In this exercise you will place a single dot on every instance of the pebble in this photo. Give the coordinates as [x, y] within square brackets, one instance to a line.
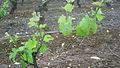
[95, 57]
[112, 8]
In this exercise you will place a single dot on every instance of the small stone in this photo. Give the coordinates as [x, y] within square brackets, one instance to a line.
[56, 36]
[73, 36]
[108, 31]
[52, 59]
[69, 64]
[38, 59]
[15, 45]
[26, 32]
[27, 35]
[73, 18]
[16, 17]
[48, 63]
[66, 62]
[9, 65]
[63, 44]
[112, 8]
[87, 49]
[73, 46]
[17, 33]
[88, 12]
[16, 63]
[22, 42]
[95, 57]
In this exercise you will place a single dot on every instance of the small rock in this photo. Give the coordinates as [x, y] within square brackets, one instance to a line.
[16, 63]
[112, 8]
[16, 17]
[95, 57]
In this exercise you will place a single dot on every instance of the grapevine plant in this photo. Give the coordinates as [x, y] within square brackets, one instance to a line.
[28, 50]
[3, 8]
[86, 25]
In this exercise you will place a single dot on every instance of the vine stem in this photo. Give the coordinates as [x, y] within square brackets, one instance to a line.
[34, 54]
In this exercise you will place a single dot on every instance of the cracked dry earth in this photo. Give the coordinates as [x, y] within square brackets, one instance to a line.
[101, 50]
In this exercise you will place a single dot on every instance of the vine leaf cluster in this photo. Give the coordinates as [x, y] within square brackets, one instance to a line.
[86, 25]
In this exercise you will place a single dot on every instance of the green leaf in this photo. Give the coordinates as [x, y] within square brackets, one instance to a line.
[23, 64]
[47, 38]
[37, 34]
[69, 7]
[22, 48]
[62, 19]
[93, 25]
[31, 24]
[68, 29]
[2, 12]
[65, 25]
[42, 25]
[6, 4]
[97, 3]
[35, 19]
[13, 54]
[83, 28]
[69, 20]
[42, 34]
[36, 15]
[93, 12]
[30, 44]
[68, 26]
[100, 17]
[99, 11]
[28, 55]
[86, 25]
[43, 48]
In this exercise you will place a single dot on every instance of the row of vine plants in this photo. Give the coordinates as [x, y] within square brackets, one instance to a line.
[28, 50]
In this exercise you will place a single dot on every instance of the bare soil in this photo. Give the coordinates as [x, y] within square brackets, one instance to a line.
[66, 51]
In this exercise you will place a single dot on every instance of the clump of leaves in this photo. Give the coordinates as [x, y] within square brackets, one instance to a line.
[65, 22]
[86, 25]
[35, 44]
[3, 8]
[2, 12]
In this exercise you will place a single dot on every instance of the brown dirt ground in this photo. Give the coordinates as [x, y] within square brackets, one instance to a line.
[67, 51]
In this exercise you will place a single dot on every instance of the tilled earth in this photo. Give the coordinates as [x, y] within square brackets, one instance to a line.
[101, 50]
